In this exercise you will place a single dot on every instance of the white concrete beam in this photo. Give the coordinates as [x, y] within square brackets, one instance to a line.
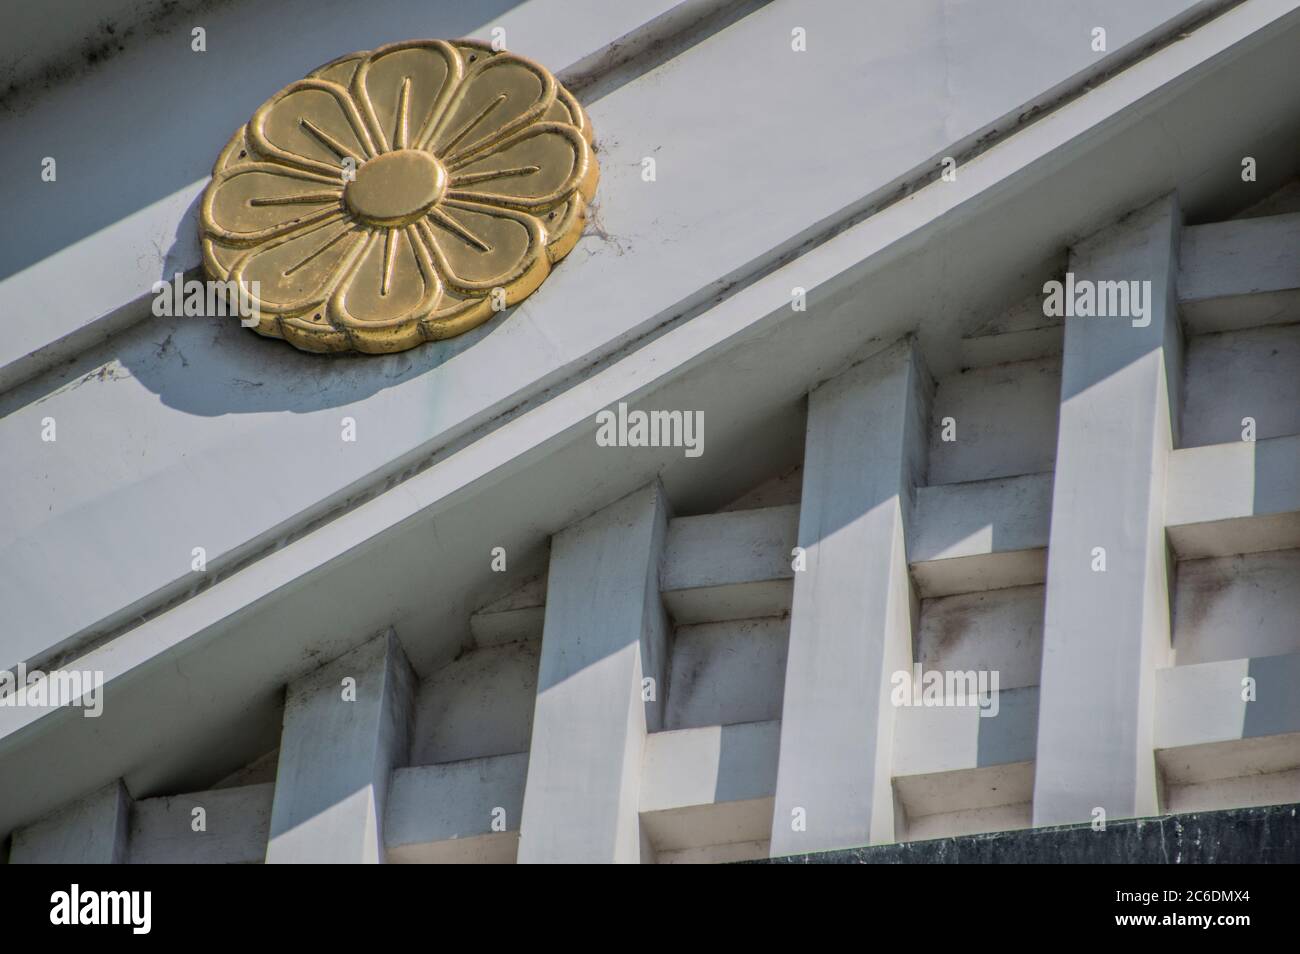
[605, 631]
[982, 535]
[90, 831]
[346, 727]
[1240, 274]
[709, 786]
[457, 813]
[1106, 625]
[231, 829]
[731, 565]
[1243, 497]
[853, 614]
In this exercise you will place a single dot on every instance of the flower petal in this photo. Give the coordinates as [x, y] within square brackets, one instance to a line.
[313, 125]
[566, 109]
[478, 248]
[340, 70]
[402, 89]
[501, 92]
[310, 332]
[299, 270]
[564, 225]
[392, 285]
[256, 201]
[456, 315]
[535, 168]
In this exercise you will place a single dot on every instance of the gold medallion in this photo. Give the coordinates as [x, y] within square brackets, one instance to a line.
[399, 196]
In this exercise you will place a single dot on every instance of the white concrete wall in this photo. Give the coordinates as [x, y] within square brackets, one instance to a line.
[726, 673]
[706, 793]
[479, 705]
[232, 828]
[1239, 606]
[109, 524]
[457, 813]
[1236, 374]
[998, 630]
[1272, 788]
[473, 717]
[1006, 421]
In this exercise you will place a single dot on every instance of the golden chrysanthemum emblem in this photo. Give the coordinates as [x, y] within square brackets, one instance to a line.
[400, 195]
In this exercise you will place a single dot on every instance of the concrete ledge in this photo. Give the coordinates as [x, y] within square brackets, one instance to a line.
[709, 786]
[733, 565]
[1203, 703]
[237, 820]
[1240, 274]
[954, 738]
[1242, 497]
[982, 535]
[1022, 334]
[1239, 836]
[515, 617]
[716, 567]
[444, 813]
[1205, 730]
[951, 759]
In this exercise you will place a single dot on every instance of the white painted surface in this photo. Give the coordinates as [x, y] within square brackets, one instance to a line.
[981, 535]
[180, 627]
[1253, 373]
[1238, 606]
[972, 822]
[236, 823]
[197, 401]
[1273, 788]
[708, 764]
[852, 618]
[339, 747]
[726, 673]
[1240, 273]
[515, 617]
[1104, 633]
[998, 630]
[709, 786]
[605, 631]
[1005, 422]
[730, 565]
[1210, 702]
[92, 830]
[479, 705]
[1235, 479]
[930, 740]
[957, 793]
[458, 813]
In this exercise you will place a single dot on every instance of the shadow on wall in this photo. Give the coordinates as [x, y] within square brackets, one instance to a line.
[1276, 707]
[211, 366]
[94, 127]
